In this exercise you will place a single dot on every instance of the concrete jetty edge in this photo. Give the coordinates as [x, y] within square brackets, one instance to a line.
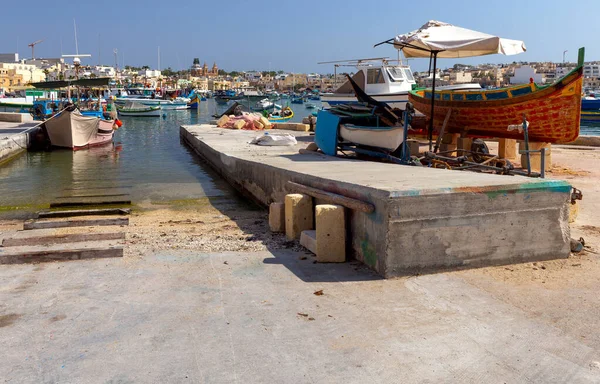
[425, 219]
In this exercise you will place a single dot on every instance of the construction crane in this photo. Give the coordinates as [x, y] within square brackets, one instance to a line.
[32, 45]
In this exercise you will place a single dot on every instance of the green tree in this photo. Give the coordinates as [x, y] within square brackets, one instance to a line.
[234, 73]
[222, 72]
[145, 67]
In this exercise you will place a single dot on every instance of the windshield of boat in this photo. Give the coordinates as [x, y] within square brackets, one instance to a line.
[396, 73]
[374, 76]
[400, 74]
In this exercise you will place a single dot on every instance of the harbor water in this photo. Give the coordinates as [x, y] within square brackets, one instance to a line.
[147, 163]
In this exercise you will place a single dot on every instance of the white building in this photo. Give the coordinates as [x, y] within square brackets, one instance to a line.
[591, 70]
[150, 73]
[523, 75]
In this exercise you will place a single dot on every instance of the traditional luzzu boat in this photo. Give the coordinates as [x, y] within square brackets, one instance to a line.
[70, 129]
[281, 116]
[194, 102]
[553, 111]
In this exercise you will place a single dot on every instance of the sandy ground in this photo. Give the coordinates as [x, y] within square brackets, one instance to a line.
[551, 309]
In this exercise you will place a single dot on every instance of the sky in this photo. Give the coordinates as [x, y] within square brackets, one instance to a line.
[287, 35]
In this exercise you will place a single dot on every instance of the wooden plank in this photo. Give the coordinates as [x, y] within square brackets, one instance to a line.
[85, 188]
[334, 198]
[76, 203]
[35, 224]
[98, 195]
[84, 212]
[60, 255]
[61, 239]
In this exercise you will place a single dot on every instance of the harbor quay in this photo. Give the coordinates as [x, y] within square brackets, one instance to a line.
[424, 219]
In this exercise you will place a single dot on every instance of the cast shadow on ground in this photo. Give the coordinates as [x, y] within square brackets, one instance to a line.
[252, 219]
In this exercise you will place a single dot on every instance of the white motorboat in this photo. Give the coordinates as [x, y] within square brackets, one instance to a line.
[265, 105]
[380, 137]
[382, 81]
[140, 110]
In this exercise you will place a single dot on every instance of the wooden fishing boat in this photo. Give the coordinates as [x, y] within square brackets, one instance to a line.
[194, 102]
[388, 138]
[70, 129]
[553, 111]
[281, 116]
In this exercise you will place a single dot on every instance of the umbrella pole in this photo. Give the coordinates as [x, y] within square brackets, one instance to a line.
[430, 130]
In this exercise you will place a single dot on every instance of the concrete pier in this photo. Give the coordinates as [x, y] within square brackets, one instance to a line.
[15, 133]
[424, 220]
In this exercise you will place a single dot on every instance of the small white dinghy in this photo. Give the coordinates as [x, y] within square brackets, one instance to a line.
[380, 137]
[138, 109]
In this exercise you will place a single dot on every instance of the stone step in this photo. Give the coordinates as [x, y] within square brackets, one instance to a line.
[19, 240]
[60, 252]
[40, 224]
[84, 212]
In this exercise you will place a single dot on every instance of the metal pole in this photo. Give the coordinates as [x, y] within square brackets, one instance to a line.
[527, 145]
[430, 133]
[405, 154]
[543, 163]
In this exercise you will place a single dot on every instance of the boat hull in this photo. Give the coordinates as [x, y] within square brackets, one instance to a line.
[75, 131]
[149, 112]
[396, 100]
[553, 112]
[380, 137]
[590, 117]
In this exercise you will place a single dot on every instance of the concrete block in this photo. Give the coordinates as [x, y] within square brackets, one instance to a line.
[413, 147]
[445, 148]
[536, 158]
[265, 122]
[239, 124]
[308, 239]
[298, 214]
[507, 149]
[464, 143]
[450, 138]
[331, 233]
[258, 124]
[222, 121]
[277, 217]
[302, 127]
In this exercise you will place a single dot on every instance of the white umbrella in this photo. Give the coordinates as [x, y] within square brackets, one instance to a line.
[438, 39]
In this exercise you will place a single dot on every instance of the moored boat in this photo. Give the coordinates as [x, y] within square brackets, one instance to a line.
[281, 116]
[382, 80]
[140, 110]
[590, 116]
[553, 111]
[194, 103]
[380, 137]
[70, 129]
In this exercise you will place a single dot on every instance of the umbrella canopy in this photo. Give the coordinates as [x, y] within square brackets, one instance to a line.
[451, 41]
[438, 39]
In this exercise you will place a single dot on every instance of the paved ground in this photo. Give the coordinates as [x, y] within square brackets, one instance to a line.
[175, 310]
[254, 318]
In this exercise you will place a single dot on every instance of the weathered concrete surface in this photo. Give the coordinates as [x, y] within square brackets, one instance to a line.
[424, 218]
[15, 117]
[15, 137]
[177, 317]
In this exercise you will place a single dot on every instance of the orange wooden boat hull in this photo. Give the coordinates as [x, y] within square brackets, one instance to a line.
[553, 111]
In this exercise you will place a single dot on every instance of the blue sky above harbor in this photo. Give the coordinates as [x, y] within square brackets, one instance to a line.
[291, 36]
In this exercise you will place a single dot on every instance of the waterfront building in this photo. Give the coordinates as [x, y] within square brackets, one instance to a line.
[591, 70]
[9, 80]
[524, 73]
[30, 73]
